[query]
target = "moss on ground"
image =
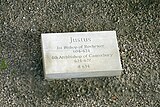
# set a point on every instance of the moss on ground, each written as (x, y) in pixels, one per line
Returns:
(3, 64)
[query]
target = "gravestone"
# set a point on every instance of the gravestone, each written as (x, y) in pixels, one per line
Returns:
(80, 54)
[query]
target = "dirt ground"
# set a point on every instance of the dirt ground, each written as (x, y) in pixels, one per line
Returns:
(137, 23)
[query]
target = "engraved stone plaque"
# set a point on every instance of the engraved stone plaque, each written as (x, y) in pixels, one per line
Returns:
(80, 54)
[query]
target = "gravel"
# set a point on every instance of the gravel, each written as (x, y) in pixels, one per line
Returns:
(137, 23)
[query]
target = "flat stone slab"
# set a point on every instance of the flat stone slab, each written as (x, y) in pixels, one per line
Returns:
(80, 54)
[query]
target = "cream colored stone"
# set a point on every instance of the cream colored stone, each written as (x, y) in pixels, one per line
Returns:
(80, 54)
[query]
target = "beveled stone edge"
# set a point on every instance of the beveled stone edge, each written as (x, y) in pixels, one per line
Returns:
(83, 74)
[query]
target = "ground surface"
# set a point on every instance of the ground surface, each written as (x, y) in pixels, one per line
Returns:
(21, 72)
